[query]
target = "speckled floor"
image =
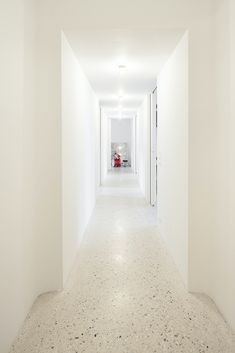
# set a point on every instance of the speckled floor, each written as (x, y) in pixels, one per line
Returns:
(124, 294)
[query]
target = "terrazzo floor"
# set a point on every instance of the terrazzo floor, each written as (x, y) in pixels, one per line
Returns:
(124, 294)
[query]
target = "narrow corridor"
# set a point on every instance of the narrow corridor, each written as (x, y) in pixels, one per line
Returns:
(124, 294)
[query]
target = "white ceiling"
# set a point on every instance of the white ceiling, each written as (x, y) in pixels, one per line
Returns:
(142, 51)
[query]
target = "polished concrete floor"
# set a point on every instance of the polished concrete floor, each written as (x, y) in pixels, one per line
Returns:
(124, 294)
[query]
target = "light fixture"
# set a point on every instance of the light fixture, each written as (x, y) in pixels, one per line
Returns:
(121, 69)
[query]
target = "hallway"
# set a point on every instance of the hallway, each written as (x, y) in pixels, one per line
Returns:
(124, 294)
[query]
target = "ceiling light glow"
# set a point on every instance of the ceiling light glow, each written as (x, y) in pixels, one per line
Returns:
(121, 69)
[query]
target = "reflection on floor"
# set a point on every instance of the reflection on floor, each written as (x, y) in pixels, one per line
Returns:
(121, 181)
(124, 294)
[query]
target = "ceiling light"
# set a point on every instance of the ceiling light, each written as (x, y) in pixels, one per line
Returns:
(121, 68)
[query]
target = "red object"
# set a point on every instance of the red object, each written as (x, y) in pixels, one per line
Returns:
(117, 162)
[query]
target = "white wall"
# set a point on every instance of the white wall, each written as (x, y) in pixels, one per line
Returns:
(172, 147)
(143, 147)
(121, 132)
(202, 159)
(133, 148)
(211, 163)
(12, 303)
(229, 304)
(211, 171)
(222, 247)
(20, 256)
(105, 156)
(48, 152)
(80, 153)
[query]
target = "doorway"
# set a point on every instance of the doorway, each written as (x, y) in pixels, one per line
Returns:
(121, 143)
